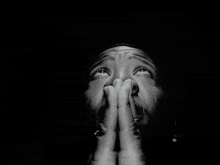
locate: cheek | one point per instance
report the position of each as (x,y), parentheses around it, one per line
(149,93)
(94,95)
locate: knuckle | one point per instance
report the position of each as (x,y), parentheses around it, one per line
(109,90)
(112,90)
(128,81)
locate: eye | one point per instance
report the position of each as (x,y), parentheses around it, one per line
(101,72)
(143,71)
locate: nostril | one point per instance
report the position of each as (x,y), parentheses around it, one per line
(135,90)
(134,87)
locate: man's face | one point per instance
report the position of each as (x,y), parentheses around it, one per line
(124,63)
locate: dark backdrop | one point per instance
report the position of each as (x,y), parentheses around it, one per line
(43,62)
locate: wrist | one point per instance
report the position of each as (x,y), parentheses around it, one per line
(131,151)
(106,142)
(104,157)
(129,141)
(104,153)
(131,157)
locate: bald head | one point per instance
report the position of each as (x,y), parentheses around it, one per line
(121,48)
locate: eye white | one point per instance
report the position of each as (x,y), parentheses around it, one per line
(101,72)
(143,71)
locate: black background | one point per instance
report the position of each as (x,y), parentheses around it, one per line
(43,60)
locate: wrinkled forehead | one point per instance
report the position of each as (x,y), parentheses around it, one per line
(122,50)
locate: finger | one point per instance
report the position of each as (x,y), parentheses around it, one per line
(117,83)
(128,141)
(125,115)
(107,141)
(111,113)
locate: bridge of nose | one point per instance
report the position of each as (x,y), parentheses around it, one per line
(122,66)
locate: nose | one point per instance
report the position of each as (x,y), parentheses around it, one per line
(134,87)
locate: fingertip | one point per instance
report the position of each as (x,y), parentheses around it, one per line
(117,82)
(128,81)
(106,90)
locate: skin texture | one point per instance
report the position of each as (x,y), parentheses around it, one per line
(122,86)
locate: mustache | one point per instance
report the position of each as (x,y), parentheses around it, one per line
(141,111)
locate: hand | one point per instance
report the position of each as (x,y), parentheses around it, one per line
(131,152)
(121,107)
(105,150)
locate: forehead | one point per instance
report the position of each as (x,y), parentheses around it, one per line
(122,51)
(126,53)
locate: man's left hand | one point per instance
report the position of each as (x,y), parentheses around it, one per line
(130,144)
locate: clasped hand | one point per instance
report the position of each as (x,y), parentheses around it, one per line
(121,109)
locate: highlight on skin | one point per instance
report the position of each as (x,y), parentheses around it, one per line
(124,62)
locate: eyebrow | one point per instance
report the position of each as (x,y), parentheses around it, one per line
(100,60)
(144,60)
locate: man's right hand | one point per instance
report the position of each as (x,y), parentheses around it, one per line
(105,149)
